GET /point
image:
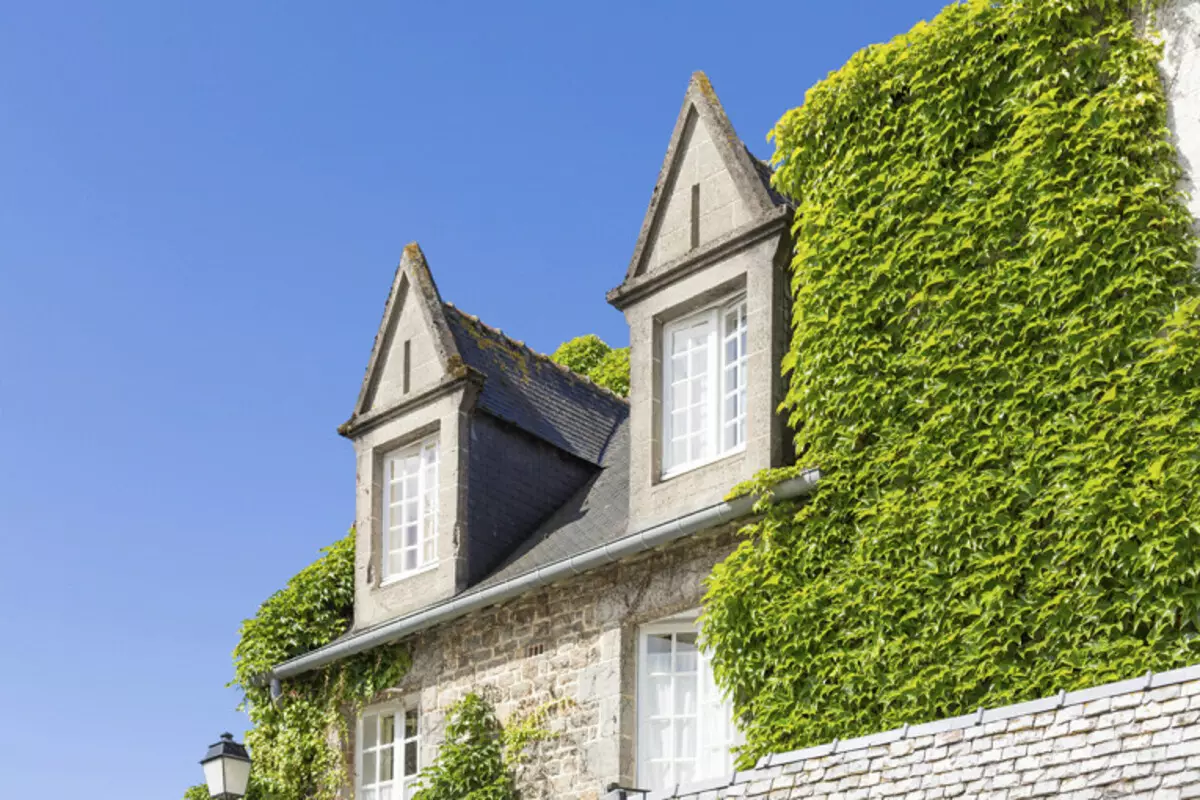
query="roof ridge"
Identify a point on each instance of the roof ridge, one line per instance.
(572, 374)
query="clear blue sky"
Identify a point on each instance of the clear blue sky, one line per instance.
(201, 207)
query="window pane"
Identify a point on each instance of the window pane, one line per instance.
(685, 652)
(395, 563)
(368, 768)
(410, 559)
(658, 739)
(685, 695)
(658, 653)
(679, 342)
(679, 370)
(410, 757)
(679, 451)
(410, 535)
(685, 737)
(428, 553)
(385, 792)
(386, 757)
(387, 729)
(658, 696)
(367, 794)
(410, 723)
(685, 772)
(369, 731)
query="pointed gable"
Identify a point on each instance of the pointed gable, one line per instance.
(709, 185)
(414, 348)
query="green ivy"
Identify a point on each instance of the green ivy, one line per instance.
(481, 759)
(590, 356)
(996, 366)
(296, 743)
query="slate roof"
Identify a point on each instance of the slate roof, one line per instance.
(539, 396)
(765, 172)
(596, 515)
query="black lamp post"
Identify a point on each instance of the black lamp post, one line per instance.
(226, 769)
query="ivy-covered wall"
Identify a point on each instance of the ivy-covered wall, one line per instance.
(995, 365)
(298, 744)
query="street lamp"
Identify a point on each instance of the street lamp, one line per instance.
(226, 769)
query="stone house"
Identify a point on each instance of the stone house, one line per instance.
(525, 530)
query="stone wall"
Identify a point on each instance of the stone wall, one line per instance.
(575, 641)
(1138, 738)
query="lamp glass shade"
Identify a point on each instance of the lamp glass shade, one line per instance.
(226, 769)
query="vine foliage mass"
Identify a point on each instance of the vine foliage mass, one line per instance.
(995, 365)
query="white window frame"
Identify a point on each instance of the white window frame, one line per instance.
(708, 697)
(425, 550)
(719, 390)
(402, 784)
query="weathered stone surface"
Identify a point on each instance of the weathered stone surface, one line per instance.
(574, 641)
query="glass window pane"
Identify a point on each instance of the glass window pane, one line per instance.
(658, 696)
(386, 757)
(678, 368)
(368, 768)
(658, 653)
(685, 772)
(679, 342)
(369, 730)
(685, 695)
(410, 535)
(685, 737)
(428, 553)
(679, 451)
(685, 652)
(410, 559)
(410, 723)
(658, 739)
(367, 794)
(410, 757)
(387, 729)
(395, 562)
(385, 792)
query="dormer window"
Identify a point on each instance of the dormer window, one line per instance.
(704, 386)
(410, 509)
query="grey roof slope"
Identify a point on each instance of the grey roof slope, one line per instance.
(596, 515)
(765, 172)
(534, 393)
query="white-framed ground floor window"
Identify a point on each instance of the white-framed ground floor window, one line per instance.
(388, 753)
(685, 725)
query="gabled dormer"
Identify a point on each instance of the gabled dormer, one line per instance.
(705, 297)
(466, 442)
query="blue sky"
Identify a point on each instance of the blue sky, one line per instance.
(202, 207)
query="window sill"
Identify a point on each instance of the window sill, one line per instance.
(692, 466)
(394, 579)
